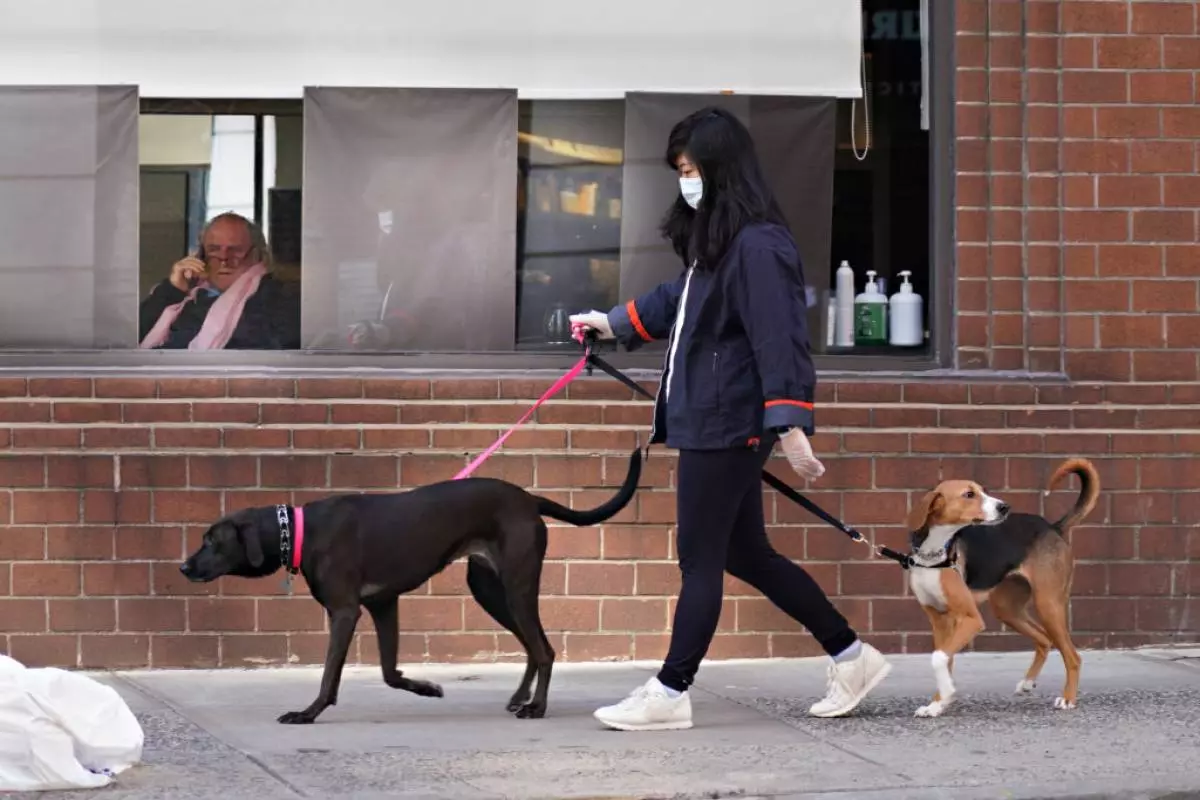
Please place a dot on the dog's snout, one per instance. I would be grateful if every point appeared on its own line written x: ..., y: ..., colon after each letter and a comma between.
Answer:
x: 186, y: 568
x: 1002, y: 509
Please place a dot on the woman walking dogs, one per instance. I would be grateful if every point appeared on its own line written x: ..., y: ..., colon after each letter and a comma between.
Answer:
x: 738, y: 377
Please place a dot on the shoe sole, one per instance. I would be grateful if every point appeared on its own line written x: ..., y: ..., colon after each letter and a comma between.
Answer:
x: 653, y: 726
x: 841, y: 712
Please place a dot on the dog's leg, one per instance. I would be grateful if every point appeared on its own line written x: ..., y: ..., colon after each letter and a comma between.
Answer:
x: 940, y: 627
x: 488, y: 591
x: 964, y: 623
x: 341, y: 633
x: 1010, y: 602
x: 385, y: 615
x: 1052, y: 608
x: 521, y: 574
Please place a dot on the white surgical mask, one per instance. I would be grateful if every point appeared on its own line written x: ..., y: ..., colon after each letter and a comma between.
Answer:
x: 692, y: 190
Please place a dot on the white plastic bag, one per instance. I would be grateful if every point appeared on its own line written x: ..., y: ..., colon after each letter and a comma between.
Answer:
x: 62, y: 730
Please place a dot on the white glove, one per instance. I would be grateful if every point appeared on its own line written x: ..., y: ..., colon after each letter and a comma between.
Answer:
x: 591, y: 321
x: 800, y: 455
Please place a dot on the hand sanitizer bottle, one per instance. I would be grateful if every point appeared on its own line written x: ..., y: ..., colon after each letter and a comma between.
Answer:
x: 907, y: 324
x: 870, y: 314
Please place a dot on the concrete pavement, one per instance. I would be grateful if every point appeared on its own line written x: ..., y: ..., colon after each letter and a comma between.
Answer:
x: 212, y: 734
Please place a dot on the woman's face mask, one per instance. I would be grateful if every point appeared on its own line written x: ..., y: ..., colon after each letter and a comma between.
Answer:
x: 692, y: 190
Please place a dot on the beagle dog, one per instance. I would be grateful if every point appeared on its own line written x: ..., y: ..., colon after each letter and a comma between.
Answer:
x: 967, y: 548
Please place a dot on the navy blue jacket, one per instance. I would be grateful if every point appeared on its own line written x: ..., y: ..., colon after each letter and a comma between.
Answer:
x: 742, y: 368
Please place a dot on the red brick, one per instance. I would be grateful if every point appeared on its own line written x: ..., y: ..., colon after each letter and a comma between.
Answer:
x: 1095, y: 17
x: 1161, y: 87
x: 257, y: 439
x: 465, y: 389
x: 145, y: 614
x: 198, y: 506
x: 1129, y: 52
x: 45, y: 650
x: 120, y: 651
x: 1180, y: 52
x: 1164, y: 226
x: 1131, y: 331
x: 189, y: 651
x: 45, y: 580
x: 398, y: 389
x: 1087, y: 86
x: 260, y: 388
x: 1164, y: 295
x: 84, y: 413
x: 293, y: 614
x: 79, y: 543
x: 220, y: 614
x: 628, y: 614
x: 191, y: 387
x: 186, y: 438
x: 1126, y: 191
x: 1183, y: 331
x: 329, y: 388
x: 45, y: 507
x: 82, y: 615
x: 22, y: 471
x: 433, y: 613
x: 1096, y: 226
x: 245, y: 413
x: 116, y: 438
x: 23, y: 411
x: 60, y: 387
x: 1182, y: 190
x: 1130, y: 261
x: 1162, y: 156
x: 600, y: 578
x: 81, y: 472
x: 1175, y: 18
x: 1096, y: 157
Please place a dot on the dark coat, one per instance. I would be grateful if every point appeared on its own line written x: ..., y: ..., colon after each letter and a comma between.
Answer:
x: 742, y: 368
x: 270, y: 319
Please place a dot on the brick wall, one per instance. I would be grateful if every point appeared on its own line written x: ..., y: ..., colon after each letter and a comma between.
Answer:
x: 1077, y: 265
x: 108, y: 483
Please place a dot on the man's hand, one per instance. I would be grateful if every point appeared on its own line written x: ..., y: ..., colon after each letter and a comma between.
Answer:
x: 800, y: 455
x: 185, y: 271
x: 591, y: 321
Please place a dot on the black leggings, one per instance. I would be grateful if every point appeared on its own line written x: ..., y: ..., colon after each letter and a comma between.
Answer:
x: 720, y: 529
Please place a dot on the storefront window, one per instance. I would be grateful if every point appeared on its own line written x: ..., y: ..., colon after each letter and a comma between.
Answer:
x: 392, y: 221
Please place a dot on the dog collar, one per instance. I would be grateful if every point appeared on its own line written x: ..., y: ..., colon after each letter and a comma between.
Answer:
x: 291, y: 537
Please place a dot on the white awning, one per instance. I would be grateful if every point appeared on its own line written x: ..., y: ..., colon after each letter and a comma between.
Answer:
x: 543, y: 48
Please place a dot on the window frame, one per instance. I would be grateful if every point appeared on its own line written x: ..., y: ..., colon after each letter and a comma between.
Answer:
x: 311, y: 363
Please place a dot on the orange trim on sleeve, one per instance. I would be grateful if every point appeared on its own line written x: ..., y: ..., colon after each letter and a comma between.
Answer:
x: 798, y: 403
x: 631, y: 307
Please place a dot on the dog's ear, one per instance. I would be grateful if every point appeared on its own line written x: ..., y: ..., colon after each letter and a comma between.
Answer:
x: 926, y: 507
x: 252, y: 545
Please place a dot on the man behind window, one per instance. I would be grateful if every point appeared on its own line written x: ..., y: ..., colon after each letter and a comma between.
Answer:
x: 223, y: 297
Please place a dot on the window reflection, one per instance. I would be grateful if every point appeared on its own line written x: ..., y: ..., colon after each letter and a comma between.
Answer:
x: 569, y: 211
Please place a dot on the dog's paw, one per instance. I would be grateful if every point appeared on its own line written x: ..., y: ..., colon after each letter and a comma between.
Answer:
x: 426, y: 689
x: 934, y: 709
x: 530, y: 711
x: 1062, y: 704
x: 1025, y: 686
x: 296, y: 718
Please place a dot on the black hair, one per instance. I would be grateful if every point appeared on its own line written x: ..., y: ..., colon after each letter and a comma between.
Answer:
x: 735, y: 192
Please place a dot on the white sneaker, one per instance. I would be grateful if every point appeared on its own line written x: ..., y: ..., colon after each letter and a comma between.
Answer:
x: 648, y: 708
x: 850, y: 681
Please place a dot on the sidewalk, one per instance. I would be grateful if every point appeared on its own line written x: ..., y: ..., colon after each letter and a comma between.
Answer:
x: 214, y: 735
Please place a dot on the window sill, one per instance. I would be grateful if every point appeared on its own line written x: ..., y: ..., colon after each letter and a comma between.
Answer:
x: 641, y: 365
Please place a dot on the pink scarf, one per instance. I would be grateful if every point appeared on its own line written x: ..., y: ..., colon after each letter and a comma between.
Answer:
x: 222, y: 318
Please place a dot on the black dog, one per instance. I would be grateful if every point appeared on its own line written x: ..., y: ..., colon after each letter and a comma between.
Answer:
x: 368, y: 549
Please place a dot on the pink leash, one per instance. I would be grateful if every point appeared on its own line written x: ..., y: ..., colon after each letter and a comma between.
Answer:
x: 558, y: 386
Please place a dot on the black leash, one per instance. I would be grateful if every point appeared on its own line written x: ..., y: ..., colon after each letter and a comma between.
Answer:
x: 774, y: 482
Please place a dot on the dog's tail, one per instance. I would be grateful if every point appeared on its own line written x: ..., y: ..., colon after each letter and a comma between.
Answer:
x: 1089, y: 490
x: 549, y: 508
